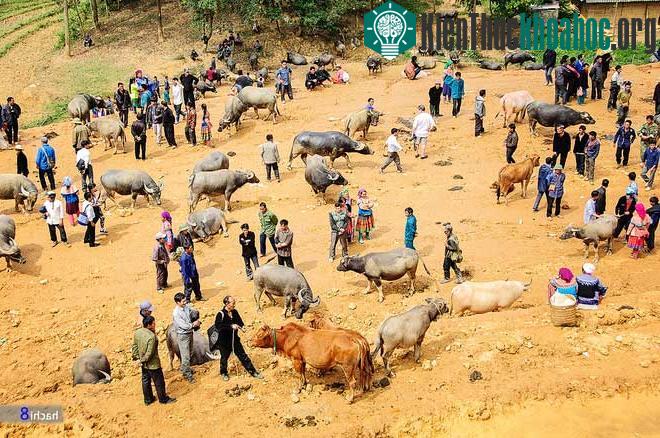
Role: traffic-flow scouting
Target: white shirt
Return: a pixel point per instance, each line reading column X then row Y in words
column 617, row 79
column 393, row 144
column 55, row 212
column 83, row 154
column 422, row 125
column 88, row 209
column 177, row 94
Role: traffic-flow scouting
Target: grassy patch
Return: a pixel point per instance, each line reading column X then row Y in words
column 55, row 112
column 42, row 25
column 28, row 21
column 9, row 12
column 621, row 56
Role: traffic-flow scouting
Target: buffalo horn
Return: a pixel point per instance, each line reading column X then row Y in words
column 332, row 177
column 250, row 175
column 24, row 192
column 106, row 377
column 212, row 356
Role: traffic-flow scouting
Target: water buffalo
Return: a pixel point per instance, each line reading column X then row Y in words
column 259, row 98
column 552, row 115
column 295, row 58
column 263, row 72
column 253, row 59
column 427, row 63
column 81, row 105
column 340, row 48
column 407, row 330
column 374, row 63
column 511, row 174
column 205, row 223
column 203, row 87
column 218, row 182
column 331, row 144
column 534, row 66
column 130, row 182
column 8, row 247
column 234, row 109
column 361, row 121
column 490, row 65
column 19, row 188
column 319, row 177
column 517, row 58
column 282, row 281
column 200, row 353
column 231, row 64
column 514, row 103
column 214, row 161
column 485, row 297
column 324, row 59
column 92, row 366
column 593, row 232
column 389, row 265
column 111, row 130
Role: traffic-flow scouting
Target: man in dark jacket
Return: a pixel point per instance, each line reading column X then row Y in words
column 188, row 81
column 601, row 202
column 581, row 139
column 624, row 138
column 310, row 80
column 168, row 124
column 10, row 114
column 542, row 182
column 625, row 207
column 435, row 93
column 654, row 212
column 139, row 132
column 145, row 349
column 549, row 62
column 190, row 275
column 123, row 102
column 561, row 82
column 596, row 75
column 21, row 161
column 561, row 146
column 656, row 98
column 184, row 238
column 248, row 249
column 228, row 322
column 511, row 143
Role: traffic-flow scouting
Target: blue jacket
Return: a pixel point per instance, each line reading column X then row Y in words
column 624, row 139
column 188, row 267
column 558, row 181
column 145, row 98
column 457, row 88
column 44, row 152
column 411, row 227
column 544, row 171
column 592, row 150
column 651, row 157
column 589, row 289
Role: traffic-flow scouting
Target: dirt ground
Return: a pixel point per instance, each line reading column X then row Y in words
column 598, row 379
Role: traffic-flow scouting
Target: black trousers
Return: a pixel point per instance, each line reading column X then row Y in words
column 87, row 177
column 193, row 287
column 262, row 243
column 51, row 178
column 478, row 125
column 622, row 224
column 596, row 90
column 286, row 89
column 141, row 148
column 12, row 132
column 456, row 106
column 614, row 93
column 434, row 108
column 90, row 234
column 622, row 153
column 448, row 264
column 159, row 381
column 169, row 134
column 560, row 94
column 650, row 241
column 99, row 217
column 178, row 112
column 189, row 97
column 123, row 117
column 285, row 261
column 556, row 201
column 272, row 167
column 191, row 136
column 509, row 155
column 563, row 156
column 239, row 351
column 53, row 235
column 579, row 163
column 248, row 267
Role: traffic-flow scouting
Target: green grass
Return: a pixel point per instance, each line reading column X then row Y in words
column 22, row 10
column 39, row 26
column 621, row 56
column 55, row 112
column 28, row 21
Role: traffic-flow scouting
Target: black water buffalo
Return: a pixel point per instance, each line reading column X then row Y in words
column 319, row 177
column 324, row 59
column 331, row 144
column 8, row 247
column 234, row 109
column 552, row 115
column 296, row 58
column 200, row 352
column 517, row 58
column 490, row 65
column 534, row 66
column 374, row 63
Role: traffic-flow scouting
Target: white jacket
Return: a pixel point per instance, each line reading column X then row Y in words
column 54, row 211
column 422, row 124
column 177, row 94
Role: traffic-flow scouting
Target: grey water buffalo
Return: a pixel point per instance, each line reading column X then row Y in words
column 111, row 130
column 324, row 59
column 340, row 48
column 486, row 296
column 234, row 109
column 253, row 59
column 514, row 103
column 81, row 105
column 534, row 66
column 200, row 353
column 374, row 64
column 427, row 63
column 361, row 121
column 205, row 223
column 594, row 232
column 552, row 115
column 130, row 182
column 407, row 330
column 296, row 58
column 8, row 247
column 389, row 265
column 331, row 144
column 490, row 65
column 263, row 72
column 92, row 366
column 19, row 188
column 319, row 177
column 204, row 87
column 282, row 281
column 518, row 57
column 255, row 98
column 214, row 161
column 218, row 182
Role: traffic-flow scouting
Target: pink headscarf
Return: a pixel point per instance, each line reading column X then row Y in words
column 641, row 211
column 166, row 215
column 565, row 274
column 361, row 192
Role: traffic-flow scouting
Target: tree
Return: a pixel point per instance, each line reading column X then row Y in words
column 95, row 13
column 161, row 34
column 67, row 42
column 203, row 16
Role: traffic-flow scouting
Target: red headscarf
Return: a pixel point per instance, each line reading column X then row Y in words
column 565, row 274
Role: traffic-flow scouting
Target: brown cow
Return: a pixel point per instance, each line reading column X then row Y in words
column 515, row 103
column 515, row 173
column 321, row 349
column 320, row 322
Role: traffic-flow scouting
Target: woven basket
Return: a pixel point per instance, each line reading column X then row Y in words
column 563, row 316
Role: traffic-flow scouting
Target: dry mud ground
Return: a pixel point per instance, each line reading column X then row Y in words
column 598, row 379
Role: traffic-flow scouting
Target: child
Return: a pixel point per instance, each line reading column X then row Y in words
column 411, row 228
column 166, row 90
column 580, row 96
column 191, row 125
column 365, row 221
column 166, row 229
column 206, row 125
column 70, row 194
column 632, row 185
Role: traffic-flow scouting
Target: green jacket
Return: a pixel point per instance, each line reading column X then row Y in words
column 268, row 222
column 145, row 348
column 647, row 130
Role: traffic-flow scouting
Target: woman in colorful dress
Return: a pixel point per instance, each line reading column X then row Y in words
column 563, row 283
column 638, row 230
column 206, row 125
column 166, row 229
column 365, row 220
column 447, row 80
column 70, row 194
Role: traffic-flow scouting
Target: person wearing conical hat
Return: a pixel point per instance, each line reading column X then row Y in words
column 21, row 161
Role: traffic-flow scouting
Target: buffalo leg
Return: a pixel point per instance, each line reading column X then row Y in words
column 194, row 199
column 257, row 296
column 348, row 160
column 609, row 245
column 287, row 305
column 411, row 290
column 379, row 287
column 256, row 113
column 596, row 250
column 586, row 250
column 227, row 201
column 16, row 204
column 8, row 263
column 134, row 199
column 368, row 289
column 110, row 196
column 386, row 363
column 270, row 297
column 417, row 352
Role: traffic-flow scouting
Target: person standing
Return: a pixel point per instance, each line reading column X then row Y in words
column 654, row 214
column 638, row 230
column 435, row 94
column 10, row 115
column 479, row 112
column 22, row 162
column 411, row 228
column 283, row 77
column 623, row 103
column 648, row 134
column 206, row 125
column 549, row 62
column 134, row 91
column 145, row 349
column 88, row 213
column 623, row 140
column 596, row 75
column 560, row 82
column 447, row 80
column 393, row 149
column 365, row 221
column 422, row 125
column 167, row 229
column 283, row 242
column 189, row 274
column 561, row 145
column 166, row 90
column 69, row 192
column 96, row 204
column 54, row 213
column 511, row 143
column 615, row 87
column 84, row 164
column 191, row 125
column 338, row 225
column 46, row 162
column 591, row 151
column 80, row 134
column 457, row 93
column 270, row 156
column 168, row 124
column 177, row 98
column 555, row 190
column 590, row 208
column 161, row 258
column 188, row 82
column 139, row 133
column 601, row 202
column 184, row 326
column 656, row 98
column 624, row 209
column 650, row 161
column 453, row 255
column 247, row 240
column 123, row 102
column 228, row 322
column 542, row 182
column 579, row 146
column 268, row 222
column 157, row 121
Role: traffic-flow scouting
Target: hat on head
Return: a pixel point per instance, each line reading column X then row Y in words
column 67, row 181
column 588, row 268
column 184, row 227
column 558, row 166
column 44, row 139
column 160, row 235
column 146, row 305
column 76, row 121
column 18, row 147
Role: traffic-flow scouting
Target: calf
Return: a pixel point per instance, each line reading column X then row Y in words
column 511, row 174
column 593, row 232
column 486, row 297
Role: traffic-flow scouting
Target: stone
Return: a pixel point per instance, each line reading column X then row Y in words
column 43, row 282
column 426, row 365
column 442, row 163
column 619, row 338
column 352, row 306
column 455, row 188
column 644, row 364
column 251, row 396
column 295, row 398
column 458, row 177
column 54, row 310
column 500, row 346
